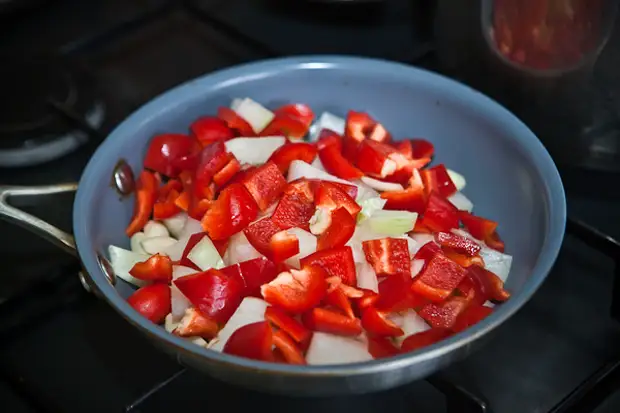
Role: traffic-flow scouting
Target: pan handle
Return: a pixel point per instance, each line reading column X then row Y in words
column 55, row 235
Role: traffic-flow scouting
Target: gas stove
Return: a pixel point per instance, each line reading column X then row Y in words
column 90, row 65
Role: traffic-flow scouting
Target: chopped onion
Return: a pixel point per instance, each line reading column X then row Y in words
column 496, row 262
column 461, row 202
column 331, row 349
column 362, row 233
column 392, row 222
column 136, row 242
column 192, row 226
column 199, row 341
column 255, row 114
column 301, row 169
column 154, row 229
column 381, row 185
column 364, row 192
column 370, row 206
column 205, row 255
column 326, row 121
column 307, row 246
column 411, row 323
column 457, row 179
column 122, row 262
column 169, row 324
column 178, row 302
column 421, row 240
column 251, row 310
column 158, row 245
column 416, row 267
column 318, row 164
column 488, row 304
column 240, row 250
column 254, row 151
column 176, row 223
column 366, row 277
column 320, row 221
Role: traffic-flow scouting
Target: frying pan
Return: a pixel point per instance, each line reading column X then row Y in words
column 511, row 179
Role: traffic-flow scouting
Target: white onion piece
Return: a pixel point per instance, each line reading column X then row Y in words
column 178, row 302
column 136, row 242
column 170, row 324
column 362, row 233
column 254, row 151
column 122, row 262
column 331, row 349
column 192, row 226
column 205, row 255
column 496, row 262
column 240, row 250
column 421, row 240
column 154, row 229
column 320, row 221
column 366, row 277
column 489, row 304
column 411, row 323
column 158, row 245
column 175, row 251
column 318, row 164
column 327, row 121
column 457, row 179
column 199, row 341
column 176, row 223
column 251, row 310
column 369, row 207
column 364, row 192
column 412, row 246
column 307, row 246
column 380, row 185
column 301, row 169
column 254, row 113
column 416, row 267
column 461, row 202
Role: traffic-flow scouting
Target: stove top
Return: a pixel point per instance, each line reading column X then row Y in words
column 558, row 354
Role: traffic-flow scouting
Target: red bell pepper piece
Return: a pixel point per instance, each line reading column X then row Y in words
column 358, row 125
column 227, row 172
column 210, row 129
column 438, row 278
column 339, row 300
column 405, row 148
column 163, row 210
column 165, row 206
column 420, row 228
column 457, row 243
column 299, row 111
column 421, row 148
column 368, row 299
column 296, row 291
column 265, row 183
column 152, row 302
column 440, row 214
column 285, row 322
column 427, row 251
column 146, row 192
column 296, row 206
column 462, row 259
column 330, row 196
column 252, row 274
column 170, row 186
column 284, row 155
column 350, row 190
column 374, row 158
column 291, row 353
column 328, row 321
column 489, row 283
column 388, row 256
column 157, row 268
column 327, row 138
column 212, row 292
column 212, row 159
column 194, row 324
column 339, row 232
column 444, row 314
column 336, row 262
column 240, row 176
column 424, row 338
column 338, row 165
column 495, row 242
column 411, row 199
column 163, row 149
column 234, row 210
column 376, row 322
column 253, row 341
column 259, row 234
column 472, row 315
column 287, row 125
column 478, row 227
column 234, row 121
column 381, row 347
column 438, row 179
column 471, row 291
column 395, row 295
column 283, row 246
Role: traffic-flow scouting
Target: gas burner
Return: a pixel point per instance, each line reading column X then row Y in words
column 52, row 107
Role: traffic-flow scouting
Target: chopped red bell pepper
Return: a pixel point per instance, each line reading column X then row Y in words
column 489, row 282
column 457, row 243
column 253, row 341
column 283, row 245
column 472, row 315
column 339, row 300
column 285, row 322
column 259, row 234
column 216, row 295
column 336, row 262
column 440, row 214
column 420, row 228
column 299, row 111
column 376, row 323
column 374, row 158
column 296, row 291
column 462, row 259
column 152, row 302
column 163, row 149
column 427, row 251
column 444, row 315
column 327, row 138
column 422, row 148
column 227, row 172
column 395, row 295
column 471, row 291
column 330, row 196
column 388, row 256
column 199, row 207
column 439, row 277
column 252, row 274
column 424, row 338
column 339, row 232
column 212, row 159
column 381, row 347
column 234, row 210
column 285, row 125
column 240, row 176
column 478, row 227
column 157, row 268
column 495, row 242
column 328, row 321
column 438, row 179
column 191, row 243
column 296, row 206
column 291, row 353
column 358, row 125
column 234, row 121
column 350, row 190
column 209, row 129
column 163, row 210
column 405, row 148
column 170, row 186
column 368, row 299
column 284, row 155
column 338, row 165
column 195, row 324
column 410, row 199
column 146, row 193
column 265, row 183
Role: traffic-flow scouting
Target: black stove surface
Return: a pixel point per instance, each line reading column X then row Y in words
column 63, row 350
